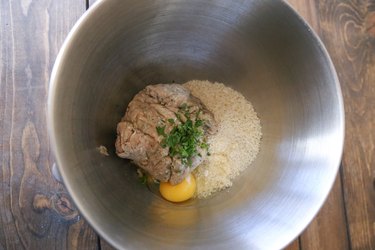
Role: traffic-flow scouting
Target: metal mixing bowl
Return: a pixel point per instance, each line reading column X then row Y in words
column 261, row 48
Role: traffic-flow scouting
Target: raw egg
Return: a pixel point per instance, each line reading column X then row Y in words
column 180, row 192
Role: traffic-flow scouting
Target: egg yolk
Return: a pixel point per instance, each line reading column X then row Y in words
column 180, row 192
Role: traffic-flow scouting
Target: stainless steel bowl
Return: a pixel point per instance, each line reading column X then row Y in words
column 262, row 49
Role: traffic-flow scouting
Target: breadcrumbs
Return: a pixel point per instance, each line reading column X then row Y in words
column 237, row 142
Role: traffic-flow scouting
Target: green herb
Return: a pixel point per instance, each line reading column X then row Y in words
column 171, row 121
column 161, row 130
column 143, row 179
column 184, row 107
column 185, row 137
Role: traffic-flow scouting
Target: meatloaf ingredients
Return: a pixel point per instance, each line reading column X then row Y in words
column 157, row 117
column 180, row 192
column 236, row 144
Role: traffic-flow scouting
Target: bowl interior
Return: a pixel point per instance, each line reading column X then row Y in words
column 260, row 48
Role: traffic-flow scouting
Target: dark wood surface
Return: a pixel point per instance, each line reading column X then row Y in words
column 35, row 210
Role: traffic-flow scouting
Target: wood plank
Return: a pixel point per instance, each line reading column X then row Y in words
column 328, row 230
column 36, row 212
column 348, row 29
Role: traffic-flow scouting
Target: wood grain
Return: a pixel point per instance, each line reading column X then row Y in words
column 36, row 211
column 348, row 31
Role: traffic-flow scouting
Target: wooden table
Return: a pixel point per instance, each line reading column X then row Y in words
column 35, row 210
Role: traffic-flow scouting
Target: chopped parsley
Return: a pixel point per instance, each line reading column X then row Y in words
column 141, row 176
column 186, row 136
column 161, row 130
column 143, row 179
